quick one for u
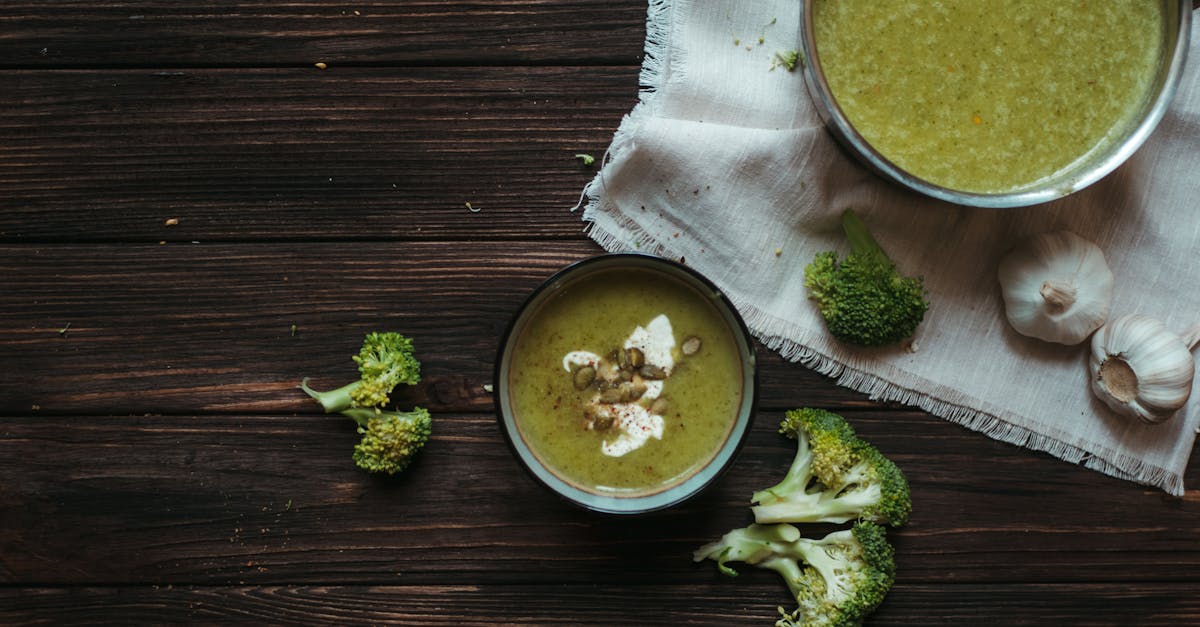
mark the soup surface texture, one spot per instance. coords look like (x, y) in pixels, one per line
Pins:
(683, 411)
(985, 96)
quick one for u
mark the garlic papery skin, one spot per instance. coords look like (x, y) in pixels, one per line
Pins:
(1142, 370)
(1057, 287)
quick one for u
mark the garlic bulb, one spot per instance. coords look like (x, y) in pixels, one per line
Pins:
(1056, 287)
(1142, 370)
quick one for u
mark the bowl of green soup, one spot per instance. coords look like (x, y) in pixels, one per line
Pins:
(993, 104)
(626, 383)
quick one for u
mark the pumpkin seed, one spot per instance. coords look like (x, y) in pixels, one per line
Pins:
(611, 395)
(637, 389)
(584, 377)
(627, 392)
(601, 423)
(652, 372)
(631, 391)
(637, 358)
(690, 346)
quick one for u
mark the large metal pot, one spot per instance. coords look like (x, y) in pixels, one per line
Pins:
(1176, 32)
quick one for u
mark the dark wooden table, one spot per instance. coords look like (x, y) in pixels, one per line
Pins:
(193, 217)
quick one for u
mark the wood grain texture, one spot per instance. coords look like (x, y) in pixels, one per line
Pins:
(223, 33)
(159, 465)
(749, 600)
(231, 500)
(301, 154)
(184, 328)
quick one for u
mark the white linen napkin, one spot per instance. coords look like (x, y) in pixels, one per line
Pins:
(724, 164)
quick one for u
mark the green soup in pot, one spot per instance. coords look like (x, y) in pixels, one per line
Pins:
(609, 446)
(984, 96)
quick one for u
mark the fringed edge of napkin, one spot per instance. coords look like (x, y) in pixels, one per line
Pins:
(656, 64)
(655, 57)
(1122, 467)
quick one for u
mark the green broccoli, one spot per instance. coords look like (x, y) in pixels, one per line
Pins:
(788, 59)
(390, 439)
(751, 545)
(384, 361)
(864, 298)
(837, 580)
(835, 477)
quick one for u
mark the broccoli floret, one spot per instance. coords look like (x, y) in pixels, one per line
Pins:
(390, 439)
(864, 298)
(788, 59)
(384, 361)
(834, 477)
(837, 581)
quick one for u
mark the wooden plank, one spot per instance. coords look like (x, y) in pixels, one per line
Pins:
(264, 500)
(160, 33)
(250, 155)
(140, 33)
(185, 328)
(725, 604)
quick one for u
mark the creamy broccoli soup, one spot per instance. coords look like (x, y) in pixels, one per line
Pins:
(625, 382)
(988, 96)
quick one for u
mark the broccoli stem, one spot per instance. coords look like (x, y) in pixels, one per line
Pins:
(334, 400)
(861, 240)
(361, 415)
(795, 482)
(791, 571)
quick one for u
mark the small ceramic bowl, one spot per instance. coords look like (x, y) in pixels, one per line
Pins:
(736, 359)
(1115, 150)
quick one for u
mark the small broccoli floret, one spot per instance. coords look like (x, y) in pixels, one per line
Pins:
(834, 477)
(837, 581)
(384, 361)
(788, 59)
(864, 298)
(390, 439)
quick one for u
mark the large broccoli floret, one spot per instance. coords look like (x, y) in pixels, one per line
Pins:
(384, 361)
(834, 477)
(864, 298)
(837, 581)
(390, 438)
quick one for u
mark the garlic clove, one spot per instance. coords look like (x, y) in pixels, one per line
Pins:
(1140, 369)
(1056, 287)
